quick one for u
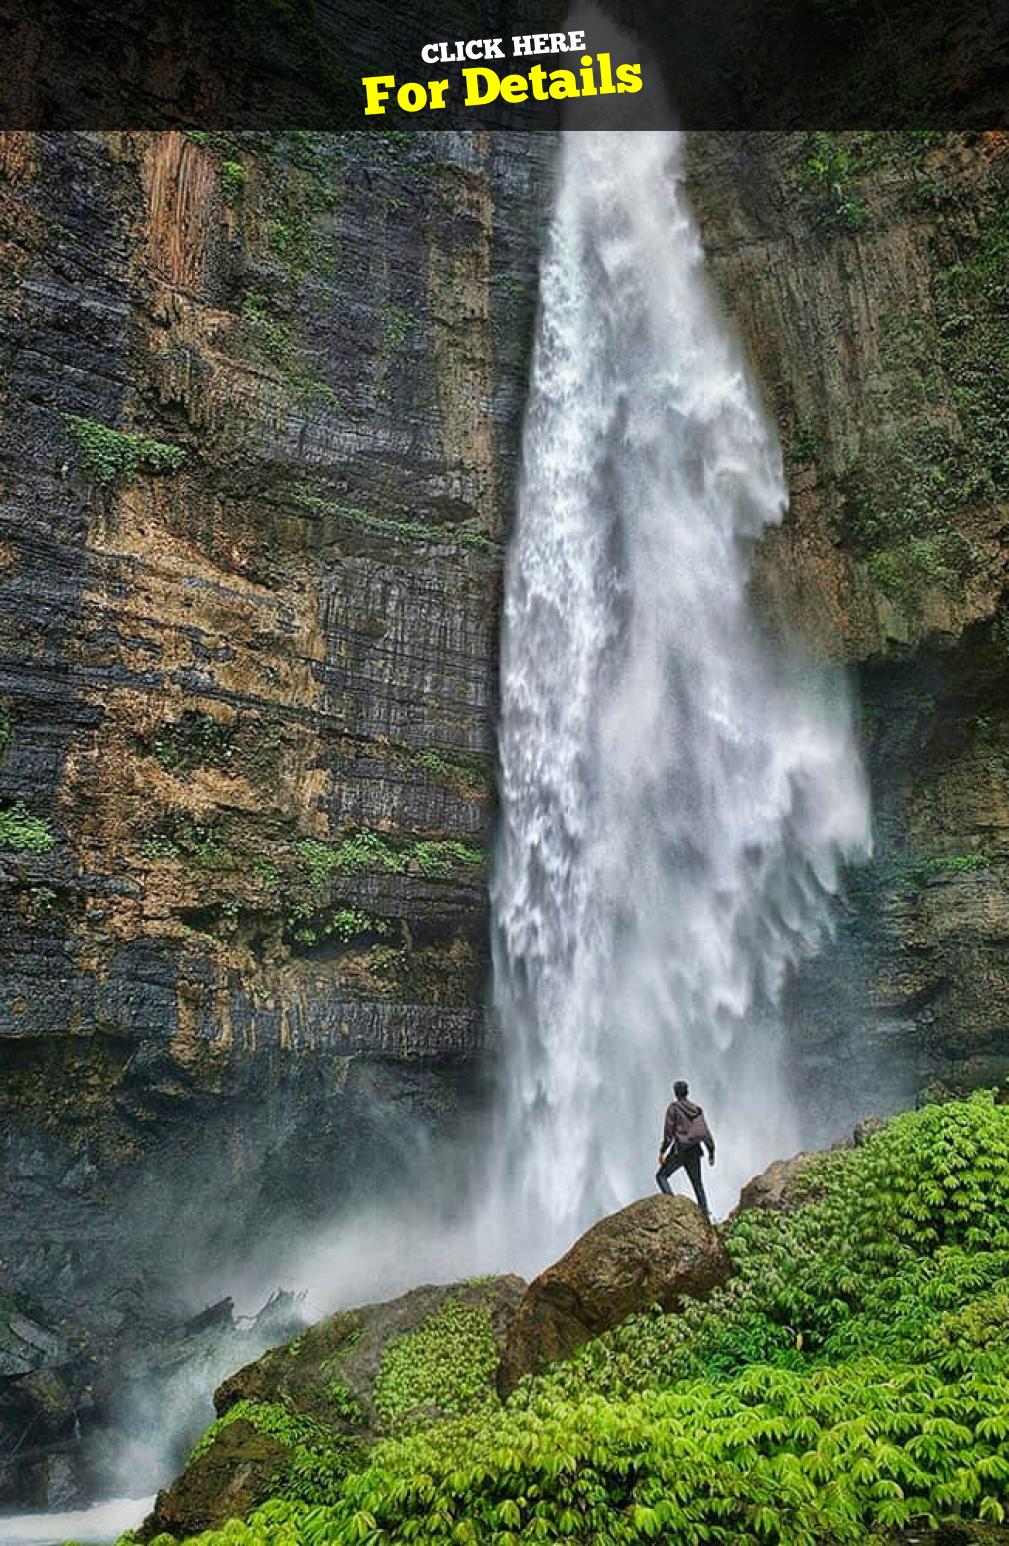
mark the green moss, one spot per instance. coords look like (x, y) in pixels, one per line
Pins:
(24, 833)
(905, 500)
(111, 455)
(469, 773)
(278, 347)
(804, 444)
(448, 1365)
(5, 732)
(396, 326)
(411, 531)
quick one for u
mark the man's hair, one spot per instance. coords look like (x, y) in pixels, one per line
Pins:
(681, 1088)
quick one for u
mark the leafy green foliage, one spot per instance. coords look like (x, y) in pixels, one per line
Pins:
(233, 180)
(905, 500)
(829, 164)
(365, 850)
(112, 455)
(177, 838)
(851, 1380)
(24, 833)
(270, 1417)
(447, 1365)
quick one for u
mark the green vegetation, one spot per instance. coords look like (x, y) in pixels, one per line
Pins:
(177, 838)
(310, 925)
(828, 167)
(397, 325)
(266, 1417)
(903, 500)
(851, 1379)
(112, 455)
(5, 732)
(195, 740)
(414, 531)
(233, 180)
(804, 444)
(24, 833)
(278, 348)
(345, 1404)
(448, 1365)
(942, 561)
(467, 772)
(365, 850)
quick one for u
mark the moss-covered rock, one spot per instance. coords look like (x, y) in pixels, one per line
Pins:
(298, 1419)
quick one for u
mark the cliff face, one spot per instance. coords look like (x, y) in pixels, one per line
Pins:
(261, 399)
(868, 276)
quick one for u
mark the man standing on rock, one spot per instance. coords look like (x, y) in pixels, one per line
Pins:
(685, 1132)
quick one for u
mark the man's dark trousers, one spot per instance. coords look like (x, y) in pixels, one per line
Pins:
(690, 1159)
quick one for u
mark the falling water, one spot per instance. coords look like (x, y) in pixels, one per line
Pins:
(676, 799)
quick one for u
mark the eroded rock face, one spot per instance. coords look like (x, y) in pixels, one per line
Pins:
(660, 1250)
(866, 275)
(261, 421)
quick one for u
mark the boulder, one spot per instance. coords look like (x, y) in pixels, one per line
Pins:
(224, 1483)
(774, 1187)
(660, 1250)
(331, 1376)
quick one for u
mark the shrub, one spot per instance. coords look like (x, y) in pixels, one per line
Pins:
(111, 455)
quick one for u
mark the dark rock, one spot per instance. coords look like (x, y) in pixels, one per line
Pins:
(288, 639)
(659, 1251)
(224, 1483)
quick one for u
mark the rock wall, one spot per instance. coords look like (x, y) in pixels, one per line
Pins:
(260, 413)
(868, 274)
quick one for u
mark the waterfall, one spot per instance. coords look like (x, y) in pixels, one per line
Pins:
(677, 797)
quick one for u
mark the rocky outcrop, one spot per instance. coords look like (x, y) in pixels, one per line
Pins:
(338, 1387)
(866, 274)
(660, 1250)
(774, 1187)
(78, 1399)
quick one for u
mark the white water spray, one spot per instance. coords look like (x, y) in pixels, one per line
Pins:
(675, 800)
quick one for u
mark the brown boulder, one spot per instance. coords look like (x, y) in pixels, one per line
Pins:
(660, 1250)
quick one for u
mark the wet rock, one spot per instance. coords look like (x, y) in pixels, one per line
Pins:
(659, 1251)
(330, 1375)
(225, 1483)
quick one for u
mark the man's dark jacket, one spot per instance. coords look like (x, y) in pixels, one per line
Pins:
(686, 1127)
